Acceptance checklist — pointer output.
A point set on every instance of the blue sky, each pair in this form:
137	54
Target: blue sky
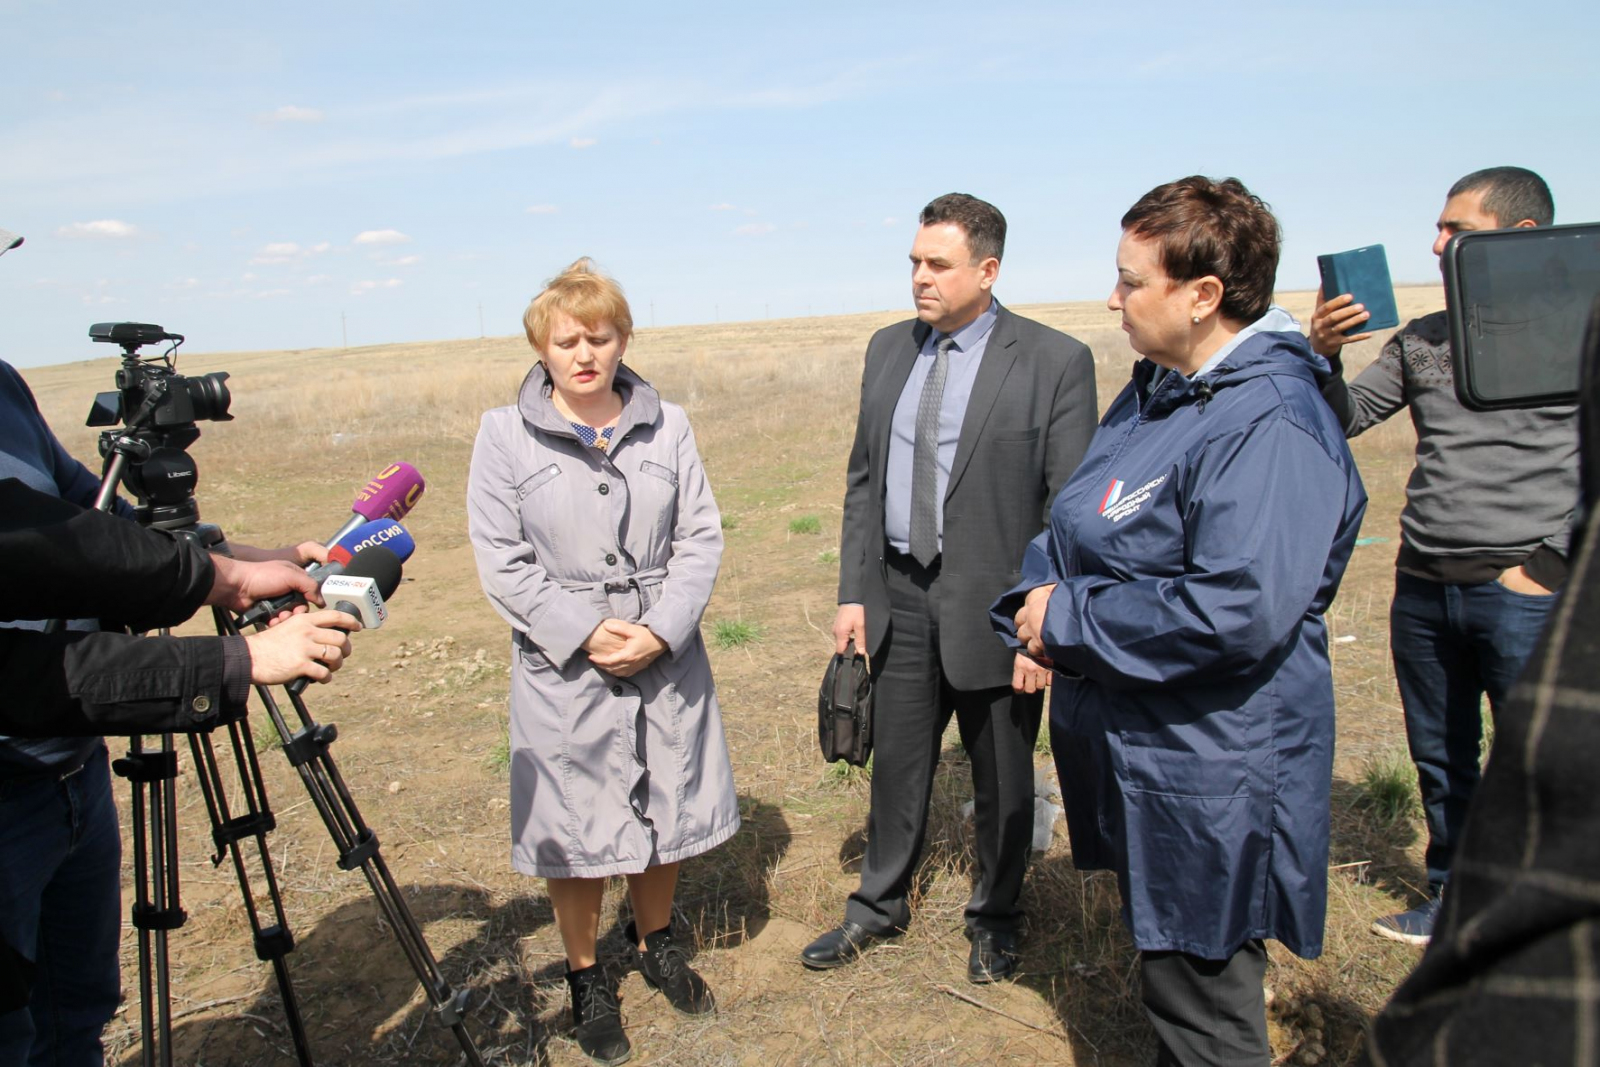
248	176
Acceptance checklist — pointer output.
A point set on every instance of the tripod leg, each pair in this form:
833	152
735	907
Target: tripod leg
272	942
156	908
307	749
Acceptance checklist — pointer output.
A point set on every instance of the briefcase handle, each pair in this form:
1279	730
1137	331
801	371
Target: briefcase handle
844	690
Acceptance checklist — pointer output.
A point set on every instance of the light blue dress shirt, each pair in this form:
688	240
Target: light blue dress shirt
964	356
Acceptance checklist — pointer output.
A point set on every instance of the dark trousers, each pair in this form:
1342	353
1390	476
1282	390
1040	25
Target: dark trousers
913	703
1451	645
60	906
1208	1013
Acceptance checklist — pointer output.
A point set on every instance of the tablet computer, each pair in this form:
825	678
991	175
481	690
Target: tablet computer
1518	302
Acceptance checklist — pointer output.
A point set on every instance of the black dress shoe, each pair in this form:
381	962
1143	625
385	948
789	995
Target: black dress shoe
994	956
839	946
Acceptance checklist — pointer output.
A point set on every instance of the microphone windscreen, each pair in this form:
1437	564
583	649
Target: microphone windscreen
386	532
379	564
393	493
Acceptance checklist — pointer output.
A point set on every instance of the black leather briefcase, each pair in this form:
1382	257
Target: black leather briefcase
844	709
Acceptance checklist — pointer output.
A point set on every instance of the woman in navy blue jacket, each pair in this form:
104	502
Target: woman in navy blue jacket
1179	592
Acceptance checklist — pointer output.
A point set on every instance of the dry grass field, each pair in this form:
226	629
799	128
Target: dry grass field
421	712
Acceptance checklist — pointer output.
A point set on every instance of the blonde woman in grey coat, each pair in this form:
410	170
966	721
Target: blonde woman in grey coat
598	541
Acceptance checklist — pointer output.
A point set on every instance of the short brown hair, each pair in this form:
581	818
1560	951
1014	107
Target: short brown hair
980	220
1218	228
582	292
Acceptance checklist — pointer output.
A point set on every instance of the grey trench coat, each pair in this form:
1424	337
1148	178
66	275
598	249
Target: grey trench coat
608	775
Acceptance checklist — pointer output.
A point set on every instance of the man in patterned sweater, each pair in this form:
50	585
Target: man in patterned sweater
1484	532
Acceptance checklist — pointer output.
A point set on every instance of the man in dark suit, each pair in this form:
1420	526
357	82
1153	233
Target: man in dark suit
971	419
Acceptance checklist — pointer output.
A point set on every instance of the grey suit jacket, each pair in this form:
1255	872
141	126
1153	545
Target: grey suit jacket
1027	426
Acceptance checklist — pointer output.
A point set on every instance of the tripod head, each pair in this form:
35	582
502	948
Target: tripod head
158	409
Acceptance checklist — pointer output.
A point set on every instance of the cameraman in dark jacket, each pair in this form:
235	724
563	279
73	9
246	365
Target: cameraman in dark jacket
60	853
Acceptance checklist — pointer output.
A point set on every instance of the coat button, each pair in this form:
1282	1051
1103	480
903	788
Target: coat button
616	690
611	559
201	705
604	488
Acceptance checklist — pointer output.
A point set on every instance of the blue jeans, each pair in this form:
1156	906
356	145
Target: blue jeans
1451	645
60	905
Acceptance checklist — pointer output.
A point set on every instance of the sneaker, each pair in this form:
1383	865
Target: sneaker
1414	927
665	966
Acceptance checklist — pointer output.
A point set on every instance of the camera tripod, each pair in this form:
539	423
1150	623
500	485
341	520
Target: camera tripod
152	771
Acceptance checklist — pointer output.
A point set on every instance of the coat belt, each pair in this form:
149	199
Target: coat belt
645	579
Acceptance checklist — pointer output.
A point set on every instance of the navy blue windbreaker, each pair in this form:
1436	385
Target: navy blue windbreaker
1196	551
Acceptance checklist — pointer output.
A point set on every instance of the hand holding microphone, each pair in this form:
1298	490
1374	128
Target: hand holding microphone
309	646
239	583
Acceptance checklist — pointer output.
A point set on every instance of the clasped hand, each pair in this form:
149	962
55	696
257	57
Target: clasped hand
1030	621
623	648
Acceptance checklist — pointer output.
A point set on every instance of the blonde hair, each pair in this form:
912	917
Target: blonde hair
583	292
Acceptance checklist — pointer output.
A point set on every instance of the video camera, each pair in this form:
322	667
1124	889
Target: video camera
150	392
153	411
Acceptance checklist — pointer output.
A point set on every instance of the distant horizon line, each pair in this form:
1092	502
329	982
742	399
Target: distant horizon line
638	330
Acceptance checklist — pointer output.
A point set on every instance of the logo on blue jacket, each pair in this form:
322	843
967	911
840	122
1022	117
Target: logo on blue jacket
1113	494
1118	505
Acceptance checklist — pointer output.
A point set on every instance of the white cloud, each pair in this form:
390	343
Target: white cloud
268	294
184	283
407	261
891	221
290	113
584	142
277	252
103	299
319	279
368	286
112	228
543	209
381	237
754	229
247	277
288	251
725	206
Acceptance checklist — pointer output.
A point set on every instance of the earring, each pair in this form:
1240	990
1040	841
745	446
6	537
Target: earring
1196	320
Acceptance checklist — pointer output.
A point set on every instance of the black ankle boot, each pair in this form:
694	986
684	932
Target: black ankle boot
665	965
598	1017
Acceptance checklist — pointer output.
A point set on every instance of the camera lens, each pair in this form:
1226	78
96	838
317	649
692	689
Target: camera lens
210	396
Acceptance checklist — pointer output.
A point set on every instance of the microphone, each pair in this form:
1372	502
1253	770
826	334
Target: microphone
382	534
368	581
360	592
391	495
